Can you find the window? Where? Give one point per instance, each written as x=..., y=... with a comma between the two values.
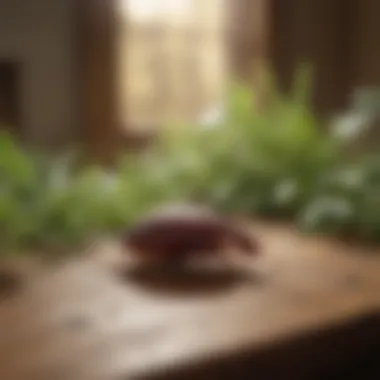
x=172, y=64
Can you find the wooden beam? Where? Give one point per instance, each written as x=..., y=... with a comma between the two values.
x=367, y=42
x=97, y=41
x=321, y=32
x=247, y=33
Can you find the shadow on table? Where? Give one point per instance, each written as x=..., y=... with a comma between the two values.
x=189, y=281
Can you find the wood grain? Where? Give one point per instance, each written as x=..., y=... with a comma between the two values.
x=82, y=321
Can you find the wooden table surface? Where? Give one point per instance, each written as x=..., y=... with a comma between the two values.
x=83, y=322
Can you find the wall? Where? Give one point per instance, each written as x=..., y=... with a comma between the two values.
x=318, y=32
x=339, y=37
x=39, y=34
x=367, y=62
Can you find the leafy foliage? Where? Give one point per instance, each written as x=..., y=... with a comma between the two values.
x=257, y=159
x=272, y=160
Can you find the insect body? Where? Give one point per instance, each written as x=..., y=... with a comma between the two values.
x=178, y=233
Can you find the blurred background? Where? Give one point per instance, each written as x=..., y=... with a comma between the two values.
x=293, y=90
x=88, y=71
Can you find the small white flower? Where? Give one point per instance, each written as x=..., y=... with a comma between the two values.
x=212, y=117
x=351, y=178
x=286, y=191
x=329, y=206
x=351, y=126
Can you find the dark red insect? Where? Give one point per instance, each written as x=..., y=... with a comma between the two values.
x=177, y=233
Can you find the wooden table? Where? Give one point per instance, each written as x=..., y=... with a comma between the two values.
x=315, y=310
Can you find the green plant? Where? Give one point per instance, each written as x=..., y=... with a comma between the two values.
x=255, y=160
x=47, y=204
x=277, y=160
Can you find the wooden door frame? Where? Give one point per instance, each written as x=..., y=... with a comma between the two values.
x=96, y=75
x=325, y=34
x=13, y=122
